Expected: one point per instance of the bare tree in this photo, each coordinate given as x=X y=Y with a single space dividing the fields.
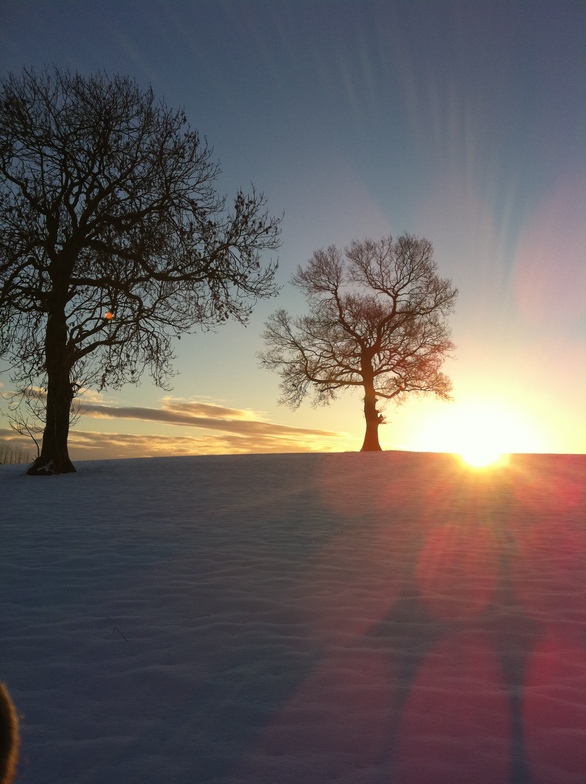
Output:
x=377 y=320
x=11 y=454
x=26 y=413
x=113 y=240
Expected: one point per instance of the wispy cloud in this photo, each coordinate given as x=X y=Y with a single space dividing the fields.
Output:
x=205 y=416
x=224 y=431
x=205 y=428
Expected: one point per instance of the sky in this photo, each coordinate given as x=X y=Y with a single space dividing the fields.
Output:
x=460 y=122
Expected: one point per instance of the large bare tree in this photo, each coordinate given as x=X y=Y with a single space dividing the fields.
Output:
x=113 y=239
x=377 y=321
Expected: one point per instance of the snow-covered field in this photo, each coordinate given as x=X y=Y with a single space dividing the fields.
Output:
x=295 y=619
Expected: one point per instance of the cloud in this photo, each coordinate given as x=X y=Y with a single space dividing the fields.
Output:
x=207 y=428
x=205 y=416
x=224 y=431
x=199 y=408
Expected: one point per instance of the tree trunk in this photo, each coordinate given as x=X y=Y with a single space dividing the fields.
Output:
x=54 y=457
x=373 y=419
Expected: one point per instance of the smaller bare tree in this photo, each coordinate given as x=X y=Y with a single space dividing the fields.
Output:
x=26 y=414
x=377 y=321
x=13 y=454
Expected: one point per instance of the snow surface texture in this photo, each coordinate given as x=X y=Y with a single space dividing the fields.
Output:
x=295 y=619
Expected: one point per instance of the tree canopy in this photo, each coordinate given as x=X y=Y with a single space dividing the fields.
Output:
x=113 y=239
x=377 y=320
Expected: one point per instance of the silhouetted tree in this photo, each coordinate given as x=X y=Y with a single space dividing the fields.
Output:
x=26 y=412
x=113 y=240
x=25 y=419
x=11 y=454
x=377 y=320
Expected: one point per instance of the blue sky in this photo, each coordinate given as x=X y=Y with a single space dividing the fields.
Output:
x=463 y=122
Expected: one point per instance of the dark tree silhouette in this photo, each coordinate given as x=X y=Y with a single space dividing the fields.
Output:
x=377 y=320
x=113 y=240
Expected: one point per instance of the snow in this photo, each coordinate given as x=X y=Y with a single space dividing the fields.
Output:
x=295 y=619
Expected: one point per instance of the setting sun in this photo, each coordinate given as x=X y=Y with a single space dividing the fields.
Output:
x=483 y=433
x=482 y=456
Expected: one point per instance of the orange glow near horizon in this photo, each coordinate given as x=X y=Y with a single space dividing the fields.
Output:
x=483 y=433
x=484 y=457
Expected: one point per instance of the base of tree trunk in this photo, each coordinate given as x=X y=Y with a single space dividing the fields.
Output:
x=371 y=448
x=371 y=442
x=48 y=467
